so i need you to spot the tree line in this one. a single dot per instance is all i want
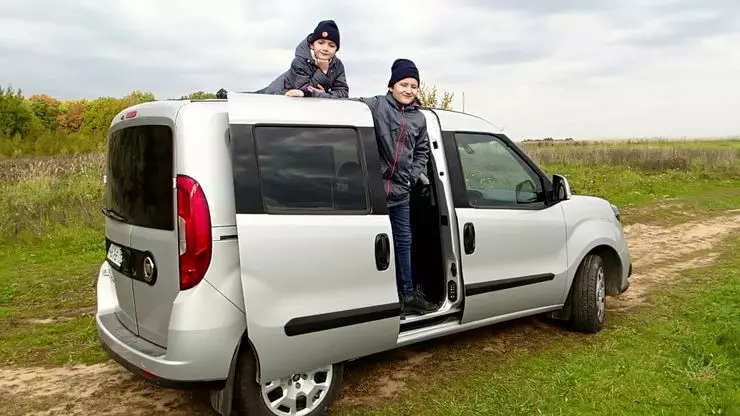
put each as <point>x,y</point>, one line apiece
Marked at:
<point>41,124</point>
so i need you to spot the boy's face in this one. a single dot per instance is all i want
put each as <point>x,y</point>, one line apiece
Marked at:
<point>405,90</point>
<point>324,49</point>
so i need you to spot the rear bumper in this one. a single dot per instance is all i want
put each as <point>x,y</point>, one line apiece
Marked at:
<point>204,333</point>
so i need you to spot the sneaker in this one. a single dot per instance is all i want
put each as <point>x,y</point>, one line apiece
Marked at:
<point>415,302</point>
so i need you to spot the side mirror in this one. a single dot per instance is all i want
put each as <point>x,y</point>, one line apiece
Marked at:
<point>525,192</point>
<point>561,188</point>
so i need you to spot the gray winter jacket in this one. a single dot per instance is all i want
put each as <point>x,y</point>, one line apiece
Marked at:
<point>403,143</point>
<point>304,72</point>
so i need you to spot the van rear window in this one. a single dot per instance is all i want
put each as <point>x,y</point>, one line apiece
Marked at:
<point>139,171</point>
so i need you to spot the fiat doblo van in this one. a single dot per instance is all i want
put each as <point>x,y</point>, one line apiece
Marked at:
<point>249,248</point>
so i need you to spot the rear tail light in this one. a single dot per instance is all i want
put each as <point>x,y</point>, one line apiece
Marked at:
<point>194,229</point>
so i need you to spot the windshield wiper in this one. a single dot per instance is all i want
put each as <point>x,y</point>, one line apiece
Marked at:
<point>113,214</point>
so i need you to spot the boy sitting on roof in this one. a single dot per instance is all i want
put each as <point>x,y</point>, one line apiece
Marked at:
<point>315,71</point>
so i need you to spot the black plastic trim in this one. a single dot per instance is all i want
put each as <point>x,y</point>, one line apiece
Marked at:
<point>247,189</point>
<point>133,262</point>
<point>164,382</point>
<point>378,203</point>
<point>332,320</point>
<point>496,285</point>
<point>245,170</point>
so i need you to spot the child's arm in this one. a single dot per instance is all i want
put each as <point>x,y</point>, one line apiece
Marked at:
<point>339,89</point>
<point>299,75</point>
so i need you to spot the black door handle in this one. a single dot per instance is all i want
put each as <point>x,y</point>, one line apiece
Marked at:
<point>382,252</point>
<point>469,238</point>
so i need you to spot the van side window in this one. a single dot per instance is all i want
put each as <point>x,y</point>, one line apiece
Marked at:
<point>495,176</point>
<point>311,170</point>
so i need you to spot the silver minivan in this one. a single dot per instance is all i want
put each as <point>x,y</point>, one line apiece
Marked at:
<point>249,248</point>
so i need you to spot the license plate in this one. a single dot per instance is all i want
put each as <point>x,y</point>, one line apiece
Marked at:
<point>115,255</point>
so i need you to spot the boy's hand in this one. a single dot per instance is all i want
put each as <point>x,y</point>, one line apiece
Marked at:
<point>319,89</point>
<point>295,93</point>
<point>323,64</point>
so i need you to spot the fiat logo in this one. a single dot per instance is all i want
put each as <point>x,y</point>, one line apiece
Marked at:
<point>148,269</point>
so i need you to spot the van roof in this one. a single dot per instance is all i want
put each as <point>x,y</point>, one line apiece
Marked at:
<point>255,108</point>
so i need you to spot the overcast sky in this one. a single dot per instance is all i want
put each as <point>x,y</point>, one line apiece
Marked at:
<point>559,68</point>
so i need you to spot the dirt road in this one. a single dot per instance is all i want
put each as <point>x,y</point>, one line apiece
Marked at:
<point>659,254</point>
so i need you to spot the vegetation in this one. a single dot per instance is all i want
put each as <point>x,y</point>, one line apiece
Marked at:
<point>680,357</point>
<point>43,125</point>
<point>54,229</point>
<point>428,97</point>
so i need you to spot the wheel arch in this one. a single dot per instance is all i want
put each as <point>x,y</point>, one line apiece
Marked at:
<point>612,269</point>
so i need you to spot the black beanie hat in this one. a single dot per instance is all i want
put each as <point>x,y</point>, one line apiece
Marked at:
<point>326,29</point>
<point>401,69</point>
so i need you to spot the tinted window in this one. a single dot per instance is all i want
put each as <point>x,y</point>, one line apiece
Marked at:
<point>139,176</point>
<point>310,168</point>
<point>494,174</point>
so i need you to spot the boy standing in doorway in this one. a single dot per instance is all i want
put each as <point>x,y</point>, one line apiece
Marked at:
<point>403,143</point>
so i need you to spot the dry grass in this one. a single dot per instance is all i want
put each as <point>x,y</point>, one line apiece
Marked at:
<point>37,167</point>
<point>716,157</point>
<point>43,193</point>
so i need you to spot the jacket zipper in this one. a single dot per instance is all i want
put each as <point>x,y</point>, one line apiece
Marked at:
<point>399,142</point>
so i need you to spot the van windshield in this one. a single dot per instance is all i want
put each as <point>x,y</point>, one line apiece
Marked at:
<point>139,186</point>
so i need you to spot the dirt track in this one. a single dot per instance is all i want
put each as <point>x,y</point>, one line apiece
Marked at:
<point>659,254</point>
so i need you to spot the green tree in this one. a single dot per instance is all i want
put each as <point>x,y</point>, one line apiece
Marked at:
<point>428,97</point>
<point>99,114</point>
<point>16,118</point>
<point>46,109</point>
<point>198,95</point>
<point>136,97</point>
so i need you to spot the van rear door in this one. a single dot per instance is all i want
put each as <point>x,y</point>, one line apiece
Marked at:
<point>118,236</point>
<point>314,235</point>
<point>140,189</point>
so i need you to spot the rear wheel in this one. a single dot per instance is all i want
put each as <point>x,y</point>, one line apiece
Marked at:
<point>301,394</point>
<point>588,295</point>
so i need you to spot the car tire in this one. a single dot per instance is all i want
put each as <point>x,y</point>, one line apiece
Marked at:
<point>588,295</point>
<point>248,397</point>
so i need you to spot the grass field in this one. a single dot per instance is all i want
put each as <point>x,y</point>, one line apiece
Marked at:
<point>679,357</point>
<point>51,244</point>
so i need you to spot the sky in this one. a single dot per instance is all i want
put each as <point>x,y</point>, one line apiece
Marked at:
<point>546,68</point>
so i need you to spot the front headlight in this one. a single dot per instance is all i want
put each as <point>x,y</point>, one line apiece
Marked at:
<point>615,209</point>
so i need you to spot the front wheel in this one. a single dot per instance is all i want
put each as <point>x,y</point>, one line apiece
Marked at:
<point>588,295</point>
<point>301,394</point>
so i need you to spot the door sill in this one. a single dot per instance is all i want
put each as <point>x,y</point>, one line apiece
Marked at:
<point>411,322</point>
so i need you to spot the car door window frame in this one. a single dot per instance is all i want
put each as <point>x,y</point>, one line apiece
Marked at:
<point>248,180</point>
<point>457,175</point>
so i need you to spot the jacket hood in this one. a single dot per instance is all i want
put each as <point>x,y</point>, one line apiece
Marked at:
<point>302,50</point>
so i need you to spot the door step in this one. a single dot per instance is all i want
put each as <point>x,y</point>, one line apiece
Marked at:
<point>412,321</point>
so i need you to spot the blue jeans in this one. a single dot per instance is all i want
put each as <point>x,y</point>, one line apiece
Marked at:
<point>401,225</point>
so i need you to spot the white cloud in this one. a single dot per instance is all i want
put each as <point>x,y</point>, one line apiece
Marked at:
<point>578,68</point>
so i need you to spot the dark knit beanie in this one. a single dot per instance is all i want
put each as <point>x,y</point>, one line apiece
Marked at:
<point>326,29</point>
<point>401,69</point>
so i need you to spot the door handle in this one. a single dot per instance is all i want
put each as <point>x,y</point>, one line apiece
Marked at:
<point>469,238</point>
<point>382,252</point>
